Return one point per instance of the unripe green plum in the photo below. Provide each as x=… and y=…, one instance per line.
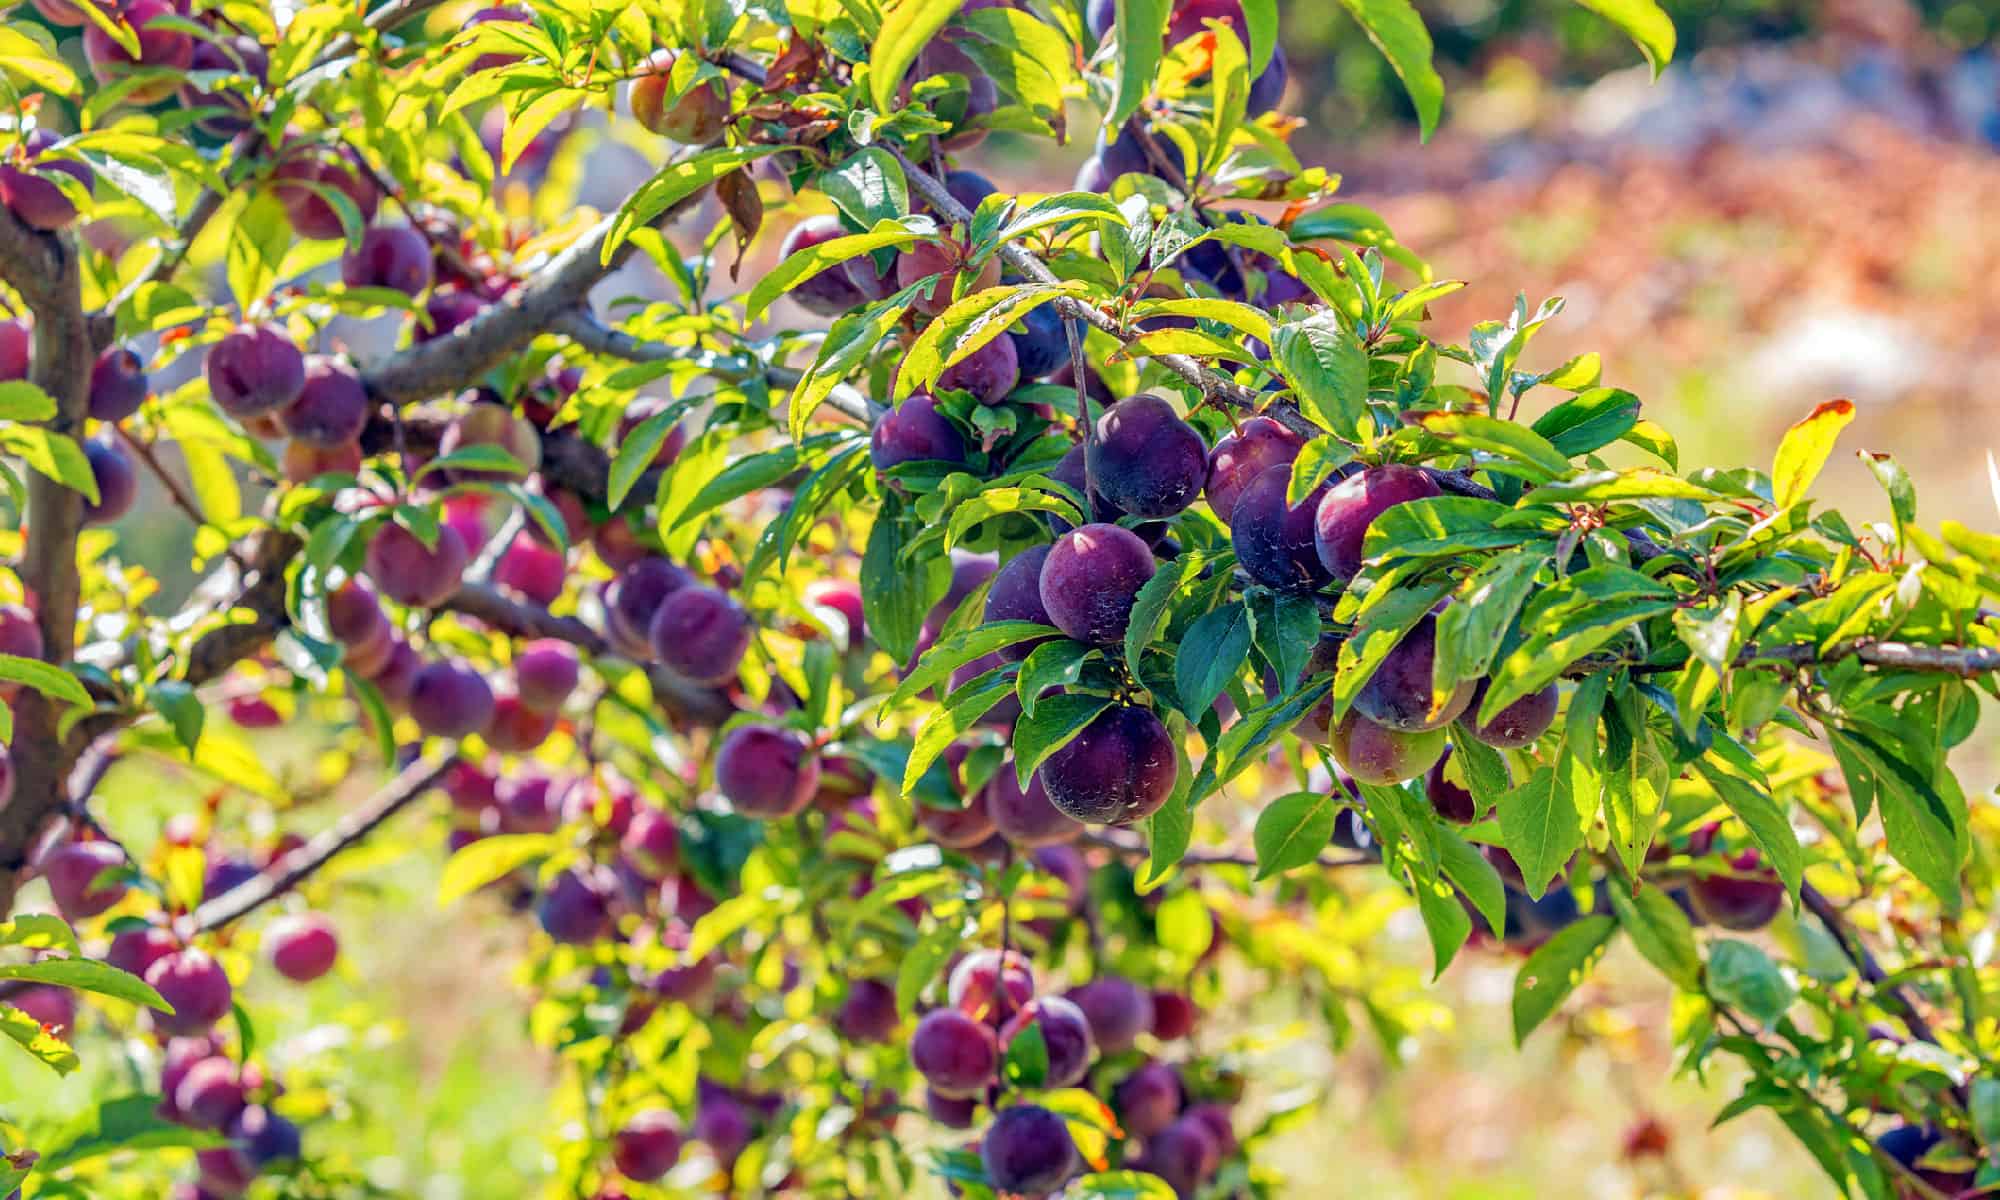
x=1377, y=755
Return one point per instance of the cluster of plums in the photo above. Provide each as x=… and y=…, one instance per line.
x=1089, y=1038
x=200, y=1084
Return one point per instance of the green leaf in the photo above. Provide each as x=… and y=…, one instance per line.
x=1589, y=420
x=1122, y=1185
x=476, y=865
x=955, y=718
x=999, y=501
x=1469, y=870
x=906, y=30
x=849, y=342
x=1543, y=824
x=725, y=921
x=1470, y=631
x=1805, y=449
x=1583, y=617
x=1055, y=724
x=1053, y=664
x=1261, y=19
x=827, y=481
x=1769, y=826
x=893, y=604
x=803, y=265
x=24, y=401
x=1285, y=628
x=1214, y=650
x=1660, y=931
x=1292, y=830
x=1985, y=1110
x=1506, y=439
x=636, y=453
x=1398, y=32
x=1440, y=526
x=128, y=1123
x=38, y=931
x=968, y=325
x=50, y=680
x=1328, y=369
x=28, y=1033
x=675, y=182
x=955, y=651
x=1645, y=23
x=1149, y=608
x=177, y=702
x=1444, y=920
x=1316, y=463
x=54, y=455
x=923, y=963
x=1743, y=977
x=868, y=188
x=1377, y=633
x=1142, y=33
x=1922, y=830
x=88, y=975
x=1027, y=1061
x=1554, y=971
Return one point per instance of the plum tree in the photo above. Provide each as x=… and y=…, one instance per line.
x=752, y=842
x=1145, y=459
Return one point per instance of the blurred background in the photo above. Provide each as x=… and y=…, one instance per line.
x=1803, y=207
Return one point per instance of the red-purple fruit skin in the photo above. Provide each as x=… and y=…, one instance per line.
x=955, y=828
x=1241, y=456
x=698, y=116
x=1066, y=1038
x=648, y=1146
x=1517, y=725
x=1148, y=1099
x=1090, y=580
x=235, y=54
x=1735, y=903
x=1450, y=798
x=210, y=1094
x=484, y=423
x=1120, y=769
x=701, y=633
x=117, y=384
x=576, y=908
x=17, y=341
x=1184, y=1154
x=955, y=1054
x=1351, y=505
x=449, y=699
x=990, y=373
x=989, y=985
x=868, y=1012
x=1028, y=1151
x=536, y=570
x=48, y=1006
x=396, y=257
x=952, y=1112
x=332, y=407
x=1398, y=695
x=303, y=947
x=1173, y=1015
x=924, y=259
x=1016, y=595
x=255, y=370
x=413, y=574
x=71, y=872
x=633, y=599
x=1145, y=459
x=136, y=950
x=445, y=312
x=117, y=484
x=37, y=200
x=196, y=986
x=767, y=772
x=1374, y=754
x=545, y=673
x=1273, y=539
x=1118, y=1009
x=915, y=432
x=1027, y=818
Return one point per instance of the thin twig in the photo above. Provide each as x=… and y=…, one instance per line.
x=300, y=865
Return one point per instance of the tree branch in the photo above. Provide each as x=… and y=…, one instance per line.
x=298, y=866
x=43, y=269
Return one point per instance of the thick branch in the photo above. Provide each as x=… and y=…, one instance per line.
x=43, y=269
x=298, y=866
